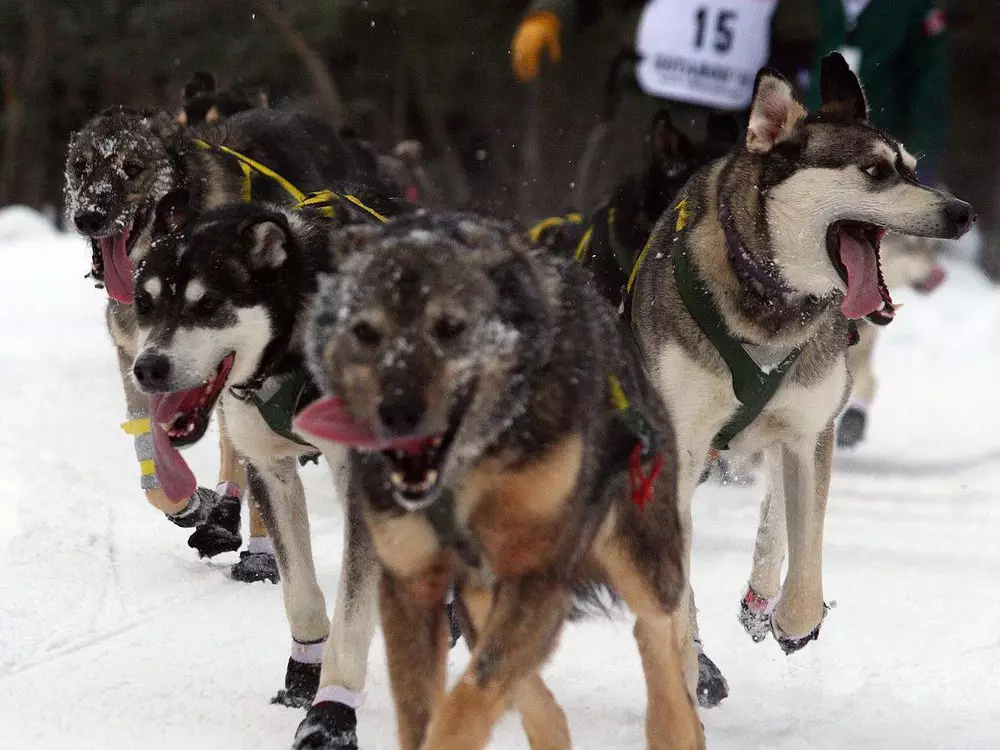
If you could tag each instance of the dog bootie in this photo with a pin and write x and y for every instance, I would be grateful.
(255, 566)
(712, 685)
(301, 684)
(454, 626)
(220, 530)
(851, 430)
(328, 726)
(755, 615)
(789, 644)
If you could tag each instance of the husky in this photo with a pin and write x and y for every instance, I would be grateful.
(496, 408)
(119, 165)
(205, 104)
(221, 301)
(907, 262)
(742, 303)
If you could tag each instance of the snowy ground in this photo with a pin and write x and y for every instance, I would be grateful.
(113, 634)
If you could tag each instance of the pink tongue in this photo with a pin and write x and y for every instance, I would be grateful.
(118, 268)
(176, 479)
(863, 296)
(327, 419)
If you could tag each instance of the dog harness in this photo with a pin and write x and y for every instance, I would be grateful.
(754, 385)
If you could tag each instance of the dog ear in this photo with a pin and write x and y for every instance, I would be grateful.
(669, 144)
(774, 112)
(269, 235)
(840, 89)
(173, 212)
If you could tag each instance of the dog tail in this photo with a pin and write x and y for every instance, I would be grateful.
(593, 599)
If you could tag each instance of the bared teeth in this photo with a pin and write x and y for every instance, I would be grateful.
(398, 479)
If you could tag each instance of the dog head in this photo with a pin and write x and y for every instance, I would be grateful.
(424, 335)
(117, 168)
(216, 300)
(832, 185)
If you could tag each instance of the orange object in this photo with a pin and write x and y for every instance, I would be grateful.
(537, 33)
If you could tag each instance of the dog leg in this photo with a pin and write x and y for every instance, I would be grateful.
(522, 629)
(543, 719)
(768, 554)
(416, 641)
(662, 637)
(277, 491)
(806, 475)
(331, 722)
(687, 615)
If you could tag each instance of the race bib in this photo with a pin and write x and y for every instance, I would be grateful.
(704, 52)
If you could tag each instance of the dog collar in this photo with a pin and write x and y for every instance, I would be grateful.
(742, 263)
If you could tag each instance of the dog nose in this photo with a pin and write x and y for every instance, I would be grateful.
(401, 411)
(151, 371)
(89, 222)
(961, 215)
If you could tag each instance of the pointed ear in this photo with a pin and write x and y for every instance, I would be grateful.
(840, 89)
(270, 236)
(669, 144)
(162, 124)
(774, 112)
(173, 212)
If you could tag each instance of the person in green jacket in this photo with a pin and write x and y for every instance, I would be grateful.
(898, 48)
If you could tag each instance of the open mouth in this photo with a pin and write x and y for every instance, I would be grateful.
(853, 247)
(415, 461)
(415, 467)
(113, 265)
(184, 415)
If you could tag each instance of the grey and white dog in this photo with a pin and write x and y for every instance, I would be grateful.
(756, 272)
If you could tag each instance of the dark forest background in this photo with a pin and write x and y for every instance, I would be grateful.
(434, 70)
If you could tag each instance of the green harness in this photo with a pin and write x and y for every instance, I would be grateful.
(279, 403)
(753, 385)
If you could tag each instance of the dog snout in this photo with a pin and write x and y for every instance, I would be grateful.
(961, 215)
(90, 222)
(152, 371)
(401, 411)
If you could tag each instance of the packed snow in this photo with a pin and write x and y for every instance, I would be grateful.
(113, 634)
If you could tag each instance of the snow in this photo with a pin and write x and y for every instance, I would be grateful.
(113, 634)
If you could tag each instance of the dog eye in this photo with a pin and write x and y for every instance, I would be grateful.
(79, 164)
(143, 303)
(209, 304)
(448, 329)
(880, 171)
(132, 169)
(366, 333)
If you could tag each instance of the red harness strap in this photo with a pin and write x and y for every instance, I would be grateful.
(640, 482)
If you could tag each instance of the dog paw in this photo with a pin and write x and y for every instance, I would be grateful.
(328, 726)
(851, 430)
(301, 684)
(255, 566)
(755, 615)
(454, 626)
(789, 644)
(712, 685)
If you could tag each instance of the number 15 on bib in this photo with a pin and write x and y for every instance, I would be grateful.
(704, 52)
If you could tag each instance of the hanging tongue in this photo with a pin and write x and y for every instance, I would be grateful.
(327, 419)
(118, 268)
(858, 256)
(176, 479)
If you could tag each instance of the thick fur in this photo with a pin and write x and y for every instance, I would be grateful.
(625, 220)
(238, 280)
(796, 176)
(206, 104)
(506, 351)
(124, 161)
